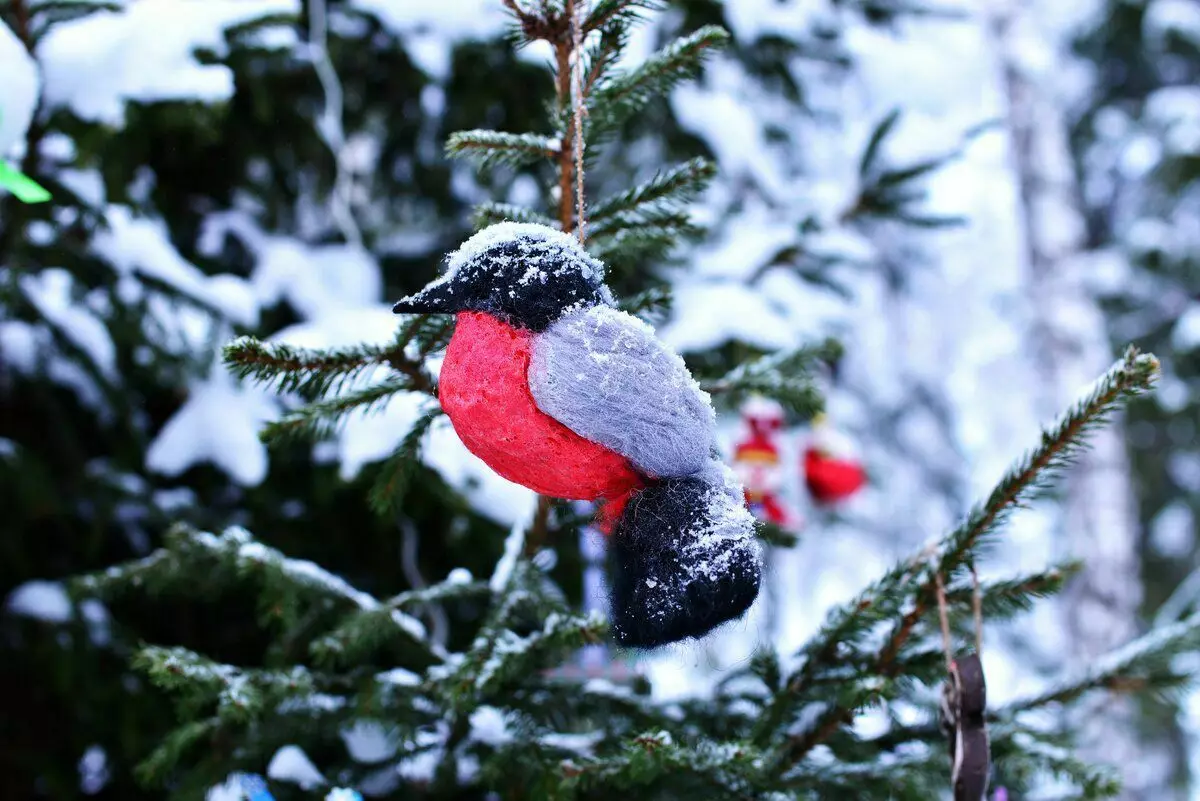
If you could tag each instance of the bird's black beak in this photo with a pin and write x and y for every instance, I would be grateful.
(438, 298)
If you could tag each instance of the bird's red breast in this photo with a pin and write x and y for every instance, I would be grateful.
(484, 390)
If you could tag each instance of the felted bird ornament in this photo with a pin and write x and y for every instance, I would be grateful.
(557, 390)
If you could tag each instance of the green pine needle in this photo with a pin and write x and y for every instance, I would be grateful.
(286, 368)
(490, 148)
(678, 186)
(321, 419)
(388, 489)
(616, 100)
(486, 214)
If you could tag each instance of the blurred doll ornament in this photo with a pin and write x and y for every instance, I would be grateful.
(757, 463)
(832, 471)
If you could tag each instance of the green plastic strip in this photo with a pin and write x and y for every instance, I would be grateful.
(25, 188)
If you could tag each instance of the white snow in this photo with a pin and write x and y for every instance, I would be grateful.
(489, 725)
(1173, 531)
(459, 575)
(399, 677)
(1179, 16)
(217, 424)
(140, 245)
(369, 741)
(343, 794)
(52, 291)
(514, 544)
(144, 51)
(18, 91)
(496, 497)
(43, 600)
(93, 770)
(432, 28)
(228, 790)
(291, 764)
(711, 314)
(1186, 334)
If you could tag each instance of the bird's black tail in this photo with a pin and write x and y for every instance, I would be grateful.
(686, 560)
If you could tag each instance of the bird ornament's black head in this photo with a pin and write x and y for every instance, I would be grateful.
(527, 275)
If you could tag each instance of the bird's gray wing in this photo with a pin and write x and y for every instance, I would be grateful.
(604, 374)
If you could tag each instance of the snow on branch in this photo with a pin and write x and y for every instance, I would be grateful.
(1144, 663)
(490, 148)
(491, 212)
(321, 419)
(369, 629)
(1060, 445)
(909, 585)
(292, 369)
(677, 185)
(787, 376)
(616, 100)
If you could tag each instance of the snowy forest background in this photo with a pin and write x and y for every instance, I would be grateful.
(207, 184)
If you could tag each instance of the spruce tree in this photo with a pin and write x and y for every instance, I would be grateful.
(470, 708)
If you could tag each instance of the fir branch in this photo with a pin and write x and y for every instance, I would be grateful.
(221, 559)
(675, 222)
(509, 657)
(605, 12)
(392, 480)
(486, 214)
(1142, 664)
(241, 694)
(603, 56)
(290, 369)
(626, 245)
(491, 148)
(787, 376)
(866, 165)
(616, 100)
(1132, 376)
(368, 630)
(156, 768)
(1007, 597)
(677, 185)
(712, 770)
(648, 303)
(321, 419)
(915, 580)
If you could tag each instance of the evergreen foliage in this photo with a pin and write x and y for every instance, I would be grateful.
(485, 713)
(283, 650)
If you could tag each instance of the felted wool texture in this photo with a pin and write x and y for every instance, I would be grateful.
(525, 274)
(686, 561)
(484, 391)
(607, 377)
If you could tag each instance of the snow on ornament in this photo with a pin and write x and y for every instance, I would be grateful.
(557, 390)
(19, 89)
(832, 471)
(757, 462)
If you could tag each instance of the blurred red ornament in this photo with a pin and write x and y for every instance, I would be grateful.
(757, 462)
(830, 471)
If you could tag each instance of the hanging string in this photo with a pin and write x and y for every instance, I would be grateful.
(977, 608)
(577, 105)
(944, 617)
